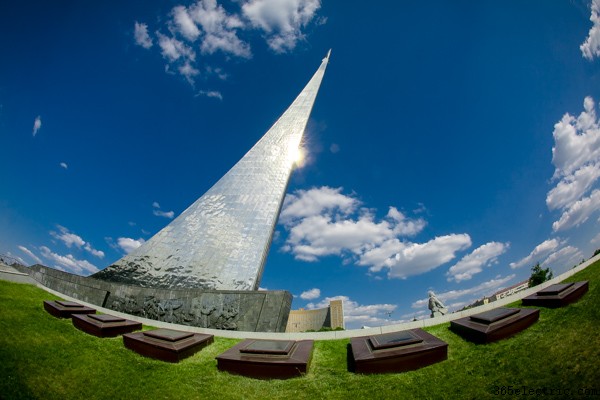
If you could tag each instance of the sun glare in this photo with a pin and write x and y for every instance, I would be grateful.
(296, 155)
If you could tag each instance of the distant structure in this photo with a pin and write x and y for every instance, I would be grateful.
(502, 293)
(221, 241)
(331, 317)
(436, 306)
(9, 260)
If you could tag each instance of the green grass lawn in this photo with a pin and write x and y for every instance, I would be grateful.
(47, 358)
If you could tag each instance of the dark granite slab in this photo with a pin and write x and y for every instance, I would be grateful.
(166, 344)
(104, 326)
(494, 325)
(267, 359)
(395, 352)
(64, 309)
(558, 295)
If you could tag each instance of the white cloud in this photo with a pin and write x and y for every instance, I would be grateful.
(211, 93)
(540, 252)
(188, 71)
(219, 29)
(414, 258)
(311, 294)
(142, 38)
(30, 254)
(281, 20)
(94, 252)
(64, 165)
(129, 244)
(323, 221)
(313, 202)
(37, 124)
(184, 23)
(206, 25)
(563, 259)
(473, 263)
(173, 49)
(68, 238)
(573, 187)
(591, 47)
(579, 212)
(576, 141)
(576, 157)
(71, 239)
(69, 263)
(159, 213)
(468, 295)
(356, 315)
(595, 239)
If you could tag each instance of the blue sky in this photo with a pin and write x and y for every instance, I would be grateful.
(452, 145)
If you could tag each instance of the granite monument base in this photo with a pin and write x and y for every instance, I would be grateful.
(267, 359)
(395, 352)
(250, 310)
(166, 344)
(65, 309)
(104, 325)
(495, 324)
(558, 295)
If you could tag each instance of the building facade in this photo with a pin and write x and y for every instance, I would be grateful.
(331, 317)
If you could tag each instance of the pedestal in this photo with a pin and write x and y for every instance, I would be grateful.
(395, 352)
(267, 359)
(495, 324)
(166, 344)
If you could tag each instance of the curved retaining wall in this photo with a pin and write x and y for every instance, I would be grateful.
(348, 333)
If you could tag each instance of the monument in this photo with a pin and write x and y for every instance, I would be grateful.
(204, 268)
(221, 241)
(436, 306)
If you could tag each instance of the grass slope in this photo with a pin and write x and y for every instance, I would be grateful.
(47, 358)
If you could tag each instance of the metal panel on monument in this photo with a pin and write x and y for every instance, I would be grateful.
(221, 241)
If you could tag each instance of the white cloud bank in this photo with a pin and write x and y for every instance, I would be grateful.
(69, 263)
(70, 239)
(311, 294)
(325, 222)
(576, 158)
(591, 47)
(281, 21)
(473, 263)
(208, 27)
(30, 254)
(553, 254)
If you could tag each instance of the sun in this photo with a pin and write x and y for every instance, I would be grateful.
(296, 155)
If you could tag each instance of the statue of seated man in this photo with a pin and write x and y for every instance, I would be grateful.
(436, 306)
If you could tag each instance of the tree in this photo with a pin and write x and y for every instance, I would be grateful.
(539, 275)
